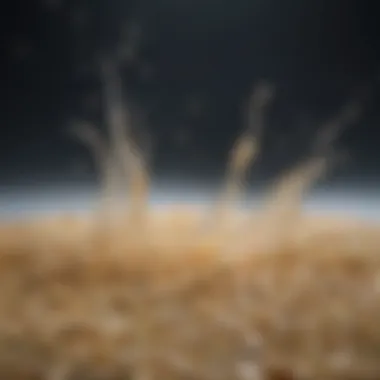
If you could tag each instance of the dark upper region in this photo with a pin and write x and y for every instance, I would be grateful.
(194, 67)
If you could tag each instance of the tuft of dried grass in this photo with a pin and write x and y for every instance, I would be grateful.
(137, 294)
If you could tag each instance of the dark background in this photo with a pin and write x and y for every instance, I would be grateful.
(186, 77)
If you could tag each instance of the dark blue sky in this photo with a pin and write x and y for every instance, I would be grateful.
(194, 66)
